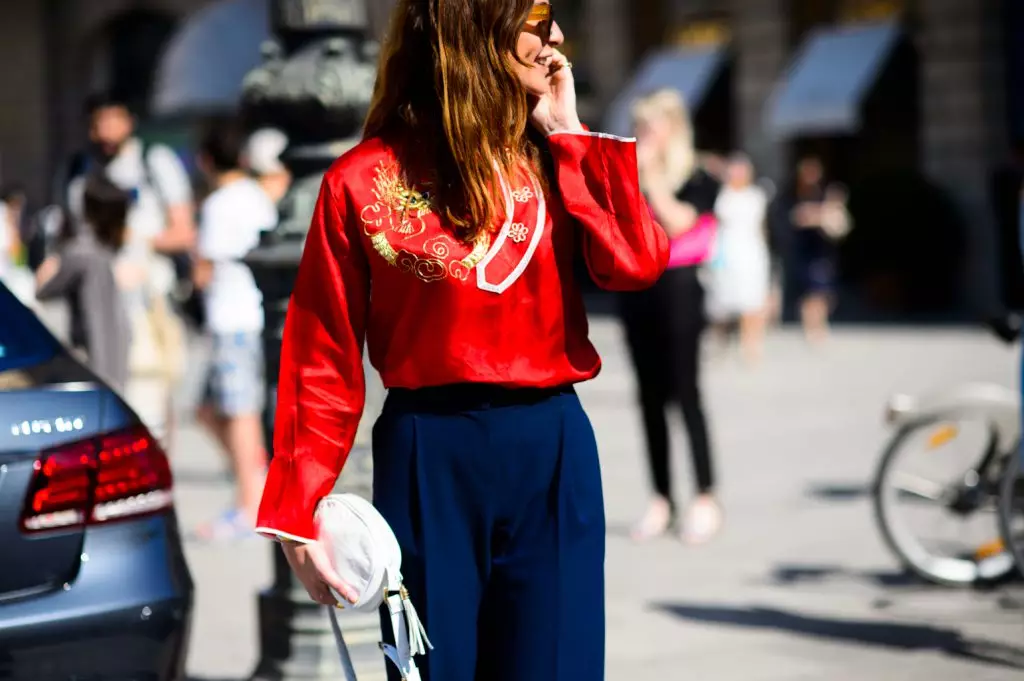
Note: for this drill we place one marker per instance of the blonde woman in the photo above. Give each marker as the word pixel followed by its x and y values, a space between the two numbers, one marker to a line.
pixel 664 325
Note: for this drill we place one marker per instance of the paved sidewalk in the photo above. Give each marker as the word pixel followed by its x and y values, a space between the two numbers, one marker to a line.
pixel 798 588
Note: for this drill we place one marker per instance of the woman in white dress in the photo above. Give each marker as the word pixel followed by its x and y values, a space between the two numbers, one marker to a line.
pixel 740 271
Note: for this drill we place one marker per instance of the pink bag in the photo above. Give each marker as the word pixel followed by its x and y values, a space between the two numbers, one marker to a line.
pixel 694 246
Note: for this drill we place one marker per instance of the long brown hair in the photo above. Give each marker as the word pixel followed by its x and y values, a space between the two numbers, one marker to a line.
pixel 447 78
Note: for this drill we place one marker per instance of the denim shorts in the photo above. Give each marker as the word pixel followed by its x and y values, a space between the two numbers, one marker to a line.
pixel 235 379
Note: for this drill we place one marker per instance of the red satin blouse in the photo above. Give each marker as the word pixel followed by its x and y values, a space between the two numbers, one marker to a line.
pixel 435 310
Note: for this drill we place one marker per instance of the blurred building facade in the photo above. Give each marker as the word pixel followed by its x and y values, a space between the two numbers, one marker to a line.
pixel 907 93
pixel 908 102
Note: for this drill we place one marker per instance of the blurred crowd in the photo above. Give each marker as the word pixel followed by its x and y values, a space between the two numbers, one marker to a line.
pixel 139 252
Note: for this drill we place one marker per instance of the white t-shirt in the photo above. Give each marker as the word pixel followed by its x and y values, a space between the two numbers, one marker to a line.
pixel 230 223
pixel 159 181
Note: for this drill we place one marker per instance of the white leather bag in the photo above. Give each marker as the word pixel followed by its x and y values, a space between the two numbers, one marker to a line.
pixel 366 555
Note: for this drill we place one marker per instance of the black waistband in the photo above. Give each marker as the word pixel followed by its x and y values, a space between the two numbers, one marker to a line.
pixel 468 396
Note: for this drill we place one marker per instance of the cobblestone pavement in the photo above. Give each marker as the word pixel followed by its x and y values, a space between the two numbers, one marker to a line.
pixel 798 587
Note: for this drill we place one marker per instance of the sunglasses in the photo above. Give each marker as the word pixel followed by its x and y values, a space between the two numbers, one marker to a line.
pixel 544 15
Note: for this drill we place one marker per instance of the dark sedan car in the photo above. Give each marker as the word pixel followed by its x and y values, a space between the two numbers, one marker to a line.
pixel 93 581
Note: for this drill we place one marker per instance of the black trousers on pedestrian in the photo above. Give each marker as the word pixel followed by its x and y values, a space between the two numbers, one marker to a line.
pixel 664 326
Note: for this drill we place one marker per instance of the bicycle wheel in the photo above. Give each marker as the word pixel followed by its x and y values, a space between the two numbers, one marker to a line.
pixel 958 542
pixel 1011 509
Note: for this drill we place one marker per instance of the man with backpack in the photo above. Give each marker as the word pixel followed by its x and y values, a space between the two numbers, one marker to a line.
pixel 157 251
pixel 162 206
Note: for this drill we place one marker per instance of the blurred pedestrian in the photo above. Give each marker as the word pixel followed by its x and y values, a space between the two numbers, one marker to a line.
pixel 14 272
pixel 12 214
pixel 665 324
pixel 740 274
pixel 449 236
pixel 162 208
pixel 230 223
pixel 817 214
pixel 161 234
pixel 82 272
pixel 263 160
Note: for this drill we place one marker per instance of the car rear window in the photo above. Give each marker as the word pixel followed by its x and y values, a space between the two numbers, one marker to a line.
pixel 24 341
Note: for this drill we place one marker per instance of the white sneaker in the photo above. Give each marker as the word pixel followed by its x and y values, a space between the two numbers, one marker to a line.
pixel 702 522
pixel 654 523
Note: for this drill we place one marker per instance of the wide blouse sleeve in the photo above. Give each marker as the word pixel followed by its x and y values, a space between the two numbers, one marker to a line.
pixel 321 389
pixel 625 249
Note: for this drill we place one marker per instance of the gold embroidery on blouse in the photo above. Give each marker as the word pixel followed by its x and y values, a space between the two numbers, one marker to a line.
pixel 401 209
pixel 401 200
pixel 383 247
pixel 426 269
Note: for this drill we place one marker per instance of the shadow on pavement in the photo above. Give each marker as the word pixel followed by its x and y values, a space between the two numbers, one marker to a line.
pixel 916 637
pixel 793 574
pixel 839 491
pixel 1011 602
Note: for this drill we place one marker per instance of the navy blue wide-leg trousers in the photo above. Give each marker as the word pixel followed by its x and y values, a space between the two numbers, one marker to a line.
pixel 495 497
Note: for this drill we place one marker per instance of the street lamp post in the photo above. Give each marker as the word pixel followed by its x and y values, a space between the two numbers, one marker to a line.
pixel 315 84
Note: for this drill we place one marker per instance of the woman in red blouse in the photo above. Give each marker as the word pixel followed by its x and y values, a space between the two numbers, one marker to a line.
pixel 447 239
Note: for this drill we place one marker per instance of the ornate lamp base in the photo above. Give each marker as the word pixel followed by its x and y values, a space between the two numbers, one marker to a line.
pixel 315 84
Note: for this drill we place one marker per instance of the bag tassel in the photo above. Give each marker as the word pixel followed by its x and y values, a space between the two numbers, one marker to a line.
pixel 418 641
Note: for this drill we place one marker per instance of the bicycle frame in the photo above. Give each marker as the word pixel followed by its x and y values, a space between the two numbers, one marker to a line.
pixel 999 406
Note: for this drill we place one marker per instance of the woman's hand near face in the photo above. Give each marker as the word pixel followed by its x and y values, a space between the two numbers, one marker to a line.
pixel 555 111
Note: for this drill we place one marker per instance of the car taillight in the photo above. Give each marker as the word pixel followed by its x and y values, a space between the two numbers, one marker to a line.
pixel 61 488
pixel 118 475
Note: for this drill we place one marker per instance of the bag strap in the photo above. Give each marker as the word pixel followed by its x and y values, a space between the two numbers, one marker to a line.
pixel 148 176
pixel 410 637
pixel 339 640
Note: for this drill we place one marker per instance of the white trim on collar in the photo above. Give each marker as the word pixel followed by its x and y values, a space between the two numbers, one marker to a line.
pixel 591 133
pixel 538 231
